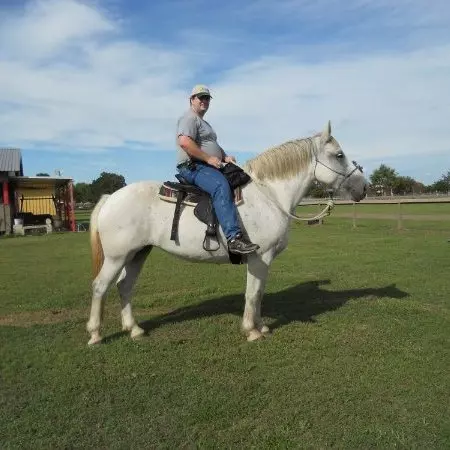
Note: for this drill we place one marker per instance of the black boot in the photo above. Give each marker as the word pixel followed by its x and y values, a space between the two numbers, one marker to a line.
pixel 240 245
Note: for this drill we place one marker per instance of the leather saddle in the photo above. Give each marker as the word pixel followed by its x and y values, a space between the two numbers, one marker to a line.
pixel 187 193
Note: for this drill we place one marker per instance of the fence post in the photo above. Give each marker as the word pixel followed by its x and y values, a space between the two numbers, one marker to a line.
pixel 354 215
pixel 399 223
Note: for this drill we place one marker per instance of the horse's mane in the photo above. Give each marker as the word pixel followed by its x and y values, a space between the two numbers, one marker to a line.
pixel 282 161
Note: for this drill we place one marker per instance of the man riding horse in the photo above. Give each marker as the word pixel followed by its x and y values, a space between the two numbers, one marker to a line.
pixel 200 159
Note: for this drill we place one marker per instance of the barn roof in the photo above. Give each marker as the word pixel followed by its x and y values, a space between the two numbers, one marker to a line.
pixel 10 160
pixel 40 182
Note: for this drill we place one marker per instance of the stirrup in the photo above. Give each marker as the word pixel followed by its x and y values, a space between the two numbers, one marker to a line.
pixel 210 249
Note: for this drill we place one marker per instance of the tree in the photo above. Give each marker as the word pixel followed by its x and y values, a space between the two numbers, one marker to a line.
pixel 446 179
pixel 317 190
pixel 42 174
pixel 383 178
pixel 403 185
pixel 106 183
pixel 83 193
pixel 419 188
pixel 442 185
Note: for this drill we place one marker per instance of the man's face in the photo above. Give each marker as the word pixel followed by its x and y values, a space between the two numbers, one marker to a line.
pixel 201 103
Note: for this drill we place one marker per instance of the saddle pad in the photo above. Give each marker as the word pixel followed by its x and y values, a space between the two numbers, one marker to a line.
pixel 169 194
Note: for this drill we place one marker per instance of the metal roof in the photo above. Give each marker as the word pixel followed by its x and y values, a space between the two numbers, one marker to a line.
pixel 40 182
pixel 10 160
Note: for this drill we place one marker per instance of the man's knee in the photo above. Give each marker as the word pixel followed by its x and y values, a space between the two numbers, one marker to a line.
pixel 223 189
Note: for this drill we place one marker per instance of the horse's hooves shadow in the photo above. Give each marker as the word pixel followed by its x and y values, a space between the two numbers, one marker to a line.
pixel 300 303
pixel 114 337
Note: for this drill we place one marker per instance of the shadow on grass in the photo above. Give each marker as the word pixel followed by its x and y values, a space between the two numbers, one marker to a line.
pixel 301 303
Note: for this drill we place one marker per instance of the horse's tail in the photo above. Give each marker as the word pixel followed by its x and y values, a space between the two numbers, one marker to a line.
pixel 96 245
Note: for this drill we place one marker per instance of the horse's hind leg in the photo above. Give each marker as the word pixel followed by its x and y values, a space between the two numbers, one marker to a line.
pixel 100 285
pixel 257 272
pixel 125 284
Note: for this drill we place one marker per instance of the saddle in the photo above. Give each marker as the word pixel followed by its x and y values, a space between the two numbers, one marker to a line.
pixel 184 193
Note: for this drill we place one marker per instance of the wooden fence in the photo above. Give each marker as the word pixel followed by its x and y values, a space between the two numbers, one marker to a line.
pixel 399 216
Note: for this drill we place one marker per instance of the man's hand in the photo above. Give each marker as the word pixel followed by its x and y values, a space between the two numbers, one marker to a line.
pixel 214 161
pixel 231 159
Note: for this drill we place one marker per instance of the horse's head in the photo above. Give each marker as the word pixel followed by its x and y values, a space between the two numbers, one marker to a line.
pixel 332 167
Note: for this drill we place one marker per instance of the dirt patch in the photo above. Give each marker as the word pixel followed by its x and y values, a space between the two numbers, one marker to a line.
pixel 29 318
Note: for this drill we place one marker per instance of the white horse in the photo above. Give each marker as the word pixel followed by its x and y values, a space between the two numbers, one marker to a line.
pixel 126 225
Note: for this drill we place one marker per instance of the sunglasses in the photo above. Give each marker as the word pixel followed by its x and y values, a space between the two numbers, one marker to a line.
pixel 204 97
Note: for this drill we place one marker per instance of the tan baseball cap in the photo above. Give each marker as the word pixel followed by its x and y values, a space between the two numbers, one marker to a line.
pixel 200 89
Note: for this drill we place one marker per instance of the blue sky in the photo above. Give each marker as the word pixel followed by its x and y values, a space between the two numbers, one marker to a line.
pixel 91 86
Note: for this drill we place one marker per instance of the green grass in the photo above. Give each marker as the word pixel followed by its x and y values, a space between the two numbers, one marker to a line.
pixel 435 216
pixel 83 215
pixel 371 208
pixel 358 357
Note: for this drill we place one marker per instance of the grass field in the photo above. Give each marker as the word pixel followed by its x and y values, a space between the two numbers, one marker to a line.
pixel 358 358
pixel 406 208
pixel 83 215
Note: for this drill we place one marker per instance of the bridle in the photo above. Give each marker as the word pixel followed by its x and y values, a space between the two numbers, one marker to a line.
pixel 330 202
pixel 345 176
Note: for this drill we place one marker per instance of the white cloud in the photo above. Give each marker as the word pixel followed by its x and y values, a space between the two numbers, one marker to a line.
pixel 380 105
pixel 47 27
pixel 110 92
pixel 69 79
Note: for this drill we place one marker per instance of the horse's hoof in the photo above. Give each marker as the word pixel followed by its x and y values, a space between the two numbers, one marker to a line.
pixel 254 335
pixel 94 340
pixel 265 330
pixel 137 332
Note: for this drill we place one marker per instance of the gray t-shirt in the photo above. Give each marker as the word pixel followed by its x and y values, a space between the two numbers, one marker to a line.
pixel 199 130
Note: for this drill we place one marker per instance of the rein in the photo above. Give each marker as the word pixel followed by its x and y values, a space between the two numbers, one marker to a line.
pixel 325 212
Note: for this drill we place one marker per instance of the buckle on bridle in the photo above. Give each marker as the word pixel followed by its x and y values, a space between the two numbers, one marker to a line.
pixel 359 167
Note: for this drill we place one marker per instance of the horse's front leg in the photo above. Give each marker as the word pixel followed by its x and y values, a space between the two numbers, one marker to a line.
pixel 257 272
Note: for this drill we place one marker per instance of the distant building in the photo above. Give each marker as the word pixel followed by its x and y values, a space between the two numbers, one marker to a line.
pixel 32 200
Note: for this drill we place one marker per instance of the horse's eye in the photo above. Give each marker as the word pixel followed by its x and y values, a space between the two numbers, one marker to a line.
pixel 339 155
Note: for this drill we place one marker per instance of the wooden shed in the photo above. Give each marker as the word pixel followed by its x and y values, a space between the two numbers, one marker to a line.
pixel 10 165
pixel 30 201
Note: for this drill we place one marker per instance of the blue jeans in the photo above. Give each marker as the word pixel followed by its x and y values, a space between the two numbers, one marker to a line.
pixel 213 181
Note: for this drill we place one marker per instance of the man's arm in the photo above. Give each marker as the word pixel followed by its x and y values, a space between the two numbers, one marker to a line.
pixel 193 150
pixel 225 157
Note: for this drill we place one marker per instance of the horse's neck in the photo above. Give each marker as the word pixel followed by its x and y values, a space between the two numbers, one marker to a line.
pixel 289 192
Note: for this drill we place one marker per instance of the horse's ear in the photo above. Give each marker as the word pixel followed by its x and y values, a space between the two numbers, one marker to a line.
pixel 326 133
